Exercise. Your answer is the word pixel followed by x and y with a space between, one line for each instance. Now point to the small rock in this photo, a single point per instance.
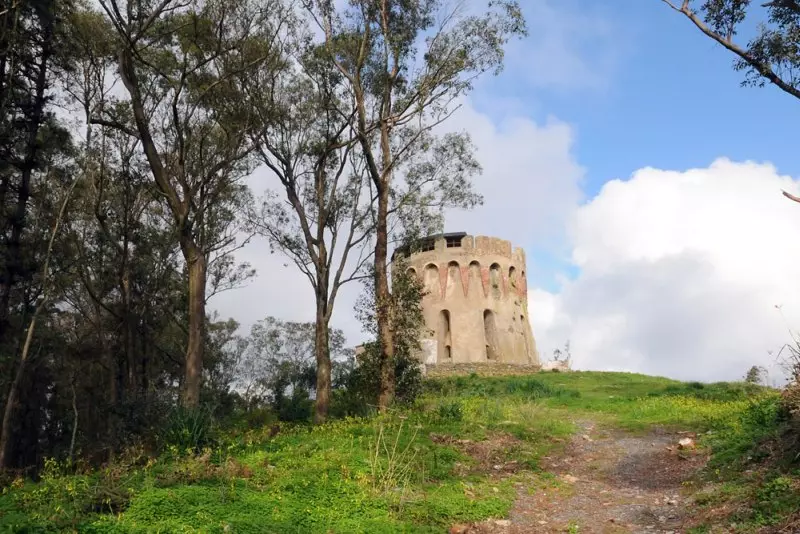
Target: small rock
pixel 497 467
pixel 459 529
pixel 686 443
pixel 662 519
pixel 571 479
pixel 502 522
pixel 542 522
pixel 672 502
pixel 586 438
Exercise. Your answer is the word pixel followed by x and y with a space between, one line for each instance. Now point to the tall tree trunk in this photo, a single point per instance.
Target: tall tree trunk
pixel 13 264
pixel 383 304
pixel 323 357
pixel 8 412
pixel 196 264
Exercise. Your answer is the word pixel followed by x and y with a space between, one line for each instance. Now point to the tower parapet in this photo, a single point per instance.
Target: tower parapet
pixel 476 301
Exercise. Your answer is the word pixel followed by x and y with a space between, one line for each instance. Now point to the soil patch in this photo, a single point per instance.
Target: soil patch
pixel 607 482
pixel 494 455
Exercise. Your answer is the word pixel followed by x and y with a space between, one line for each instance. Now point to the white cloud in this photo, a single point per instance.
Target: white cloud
pixel 530 181
pixel 680 273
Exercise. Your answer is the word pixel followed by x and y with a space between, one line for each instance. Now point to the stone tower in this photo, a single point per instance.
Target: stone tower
pixel 476 307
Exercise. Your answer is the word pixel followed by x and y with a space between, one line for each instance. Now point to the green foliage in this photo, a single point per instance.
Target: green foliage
pixel 451 411
pixel 776 499
pixel 361 386
pixel 755 375
pixel 294 408
pixel 188 430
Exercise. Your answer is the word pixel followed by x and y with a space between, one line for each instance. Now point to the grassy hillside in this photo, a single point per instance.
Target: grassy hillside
pixel 455 456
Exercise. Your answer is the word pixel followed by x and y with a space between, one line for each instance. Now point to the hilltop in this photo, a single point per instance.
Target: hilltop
pixel 548 452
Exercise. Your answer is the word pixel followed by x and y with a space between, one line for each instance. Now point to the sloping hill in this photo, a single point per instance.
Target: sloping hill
pixel 550 452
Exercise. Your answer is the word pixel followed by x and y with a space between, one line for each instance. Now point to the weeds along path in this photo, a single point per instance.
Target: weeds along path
pixel 607 481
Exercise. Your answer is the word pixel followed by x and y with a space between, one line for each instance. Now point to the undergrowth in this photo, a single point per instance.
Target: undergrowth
pixel 407 471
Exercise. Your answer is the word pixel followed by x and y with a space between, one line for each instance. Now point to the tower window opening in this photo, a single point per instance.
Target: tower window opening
pixel 427 245
pixel 490 335
pixel 445 352
pixel 495 279
pixel 453 241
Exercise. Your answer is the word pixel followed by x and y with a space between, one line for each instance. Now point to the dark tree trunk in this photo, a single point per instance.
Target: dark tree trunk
pixel 383 304
pixel 8 417
pixel 14 263
pixel 323 358
pixel 196 264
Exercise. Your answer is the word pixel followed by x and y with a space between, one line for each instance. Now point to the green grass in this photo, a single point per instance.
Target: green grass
pixel 392 473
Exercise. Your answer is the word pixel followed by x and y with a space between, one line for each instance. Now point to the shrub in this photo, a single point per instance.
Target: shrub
pixel 451 411
pixel 296 408
pixel 189 429
pixel 362 385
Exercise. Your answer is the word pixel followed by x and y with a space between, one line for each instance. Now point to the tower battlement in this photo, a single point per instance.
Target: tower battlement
pixel 476 301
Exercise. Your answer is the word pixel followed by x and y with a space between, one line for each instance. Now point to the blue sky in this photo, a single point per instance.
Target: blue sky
pixel 667 96
pixel 650 90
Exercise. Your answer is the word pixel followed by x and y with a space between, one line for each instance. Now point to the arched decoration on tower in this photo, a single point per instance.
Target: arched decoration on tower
pixel 445 354
pixel 496 281
pixel 431 280
pixel 513 281
pixel 475 288
pixel 490 335
pixel 454 283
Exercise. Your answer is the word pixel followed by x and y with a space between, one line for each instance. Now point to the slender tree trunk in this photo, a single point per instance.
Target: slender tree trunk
pixel 11 400
pixel 383 304
pixel 74 424
pixel 196 263
pixel 323 357
pixel 8 412
pixel 13 267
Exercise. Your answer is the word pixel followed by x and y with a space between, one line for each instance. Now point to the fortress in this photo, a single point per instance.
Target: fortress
pixel 476 306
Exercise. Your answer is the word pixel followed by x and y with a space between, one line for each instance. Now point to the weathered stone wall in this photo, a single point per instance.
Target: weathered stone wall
pixel 480 368
pixel 476 306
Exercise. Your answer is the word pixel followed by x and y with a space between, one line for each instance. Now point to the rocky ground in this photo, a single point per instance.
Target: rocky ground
pixel 607 481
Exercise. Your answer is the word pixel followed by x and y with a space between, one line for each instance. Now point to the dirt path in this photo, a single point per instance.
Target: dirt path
pixel 608 482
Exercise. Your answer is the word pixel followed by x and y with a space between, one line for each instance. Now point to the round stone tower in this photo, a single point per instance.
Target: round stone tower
pixel 476 306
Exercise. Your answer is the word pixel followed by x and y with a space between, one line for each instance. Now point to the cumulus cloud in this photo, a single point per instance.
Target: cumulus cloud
pixel 530 181
pixel 680 274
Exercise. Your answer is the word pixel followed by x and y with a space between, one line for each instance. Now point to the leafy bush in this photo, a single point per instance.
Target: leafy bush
pixel 776 499
pixel 362 385
pixel 451 411
pixel 295 408
pixel 189 429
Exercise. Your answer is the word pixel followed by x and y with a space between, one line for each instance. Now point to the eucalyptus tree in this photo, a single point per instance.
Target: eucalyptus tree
pixel 406 65
pixel 181 64
pixel 280 355
pixel 320 216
